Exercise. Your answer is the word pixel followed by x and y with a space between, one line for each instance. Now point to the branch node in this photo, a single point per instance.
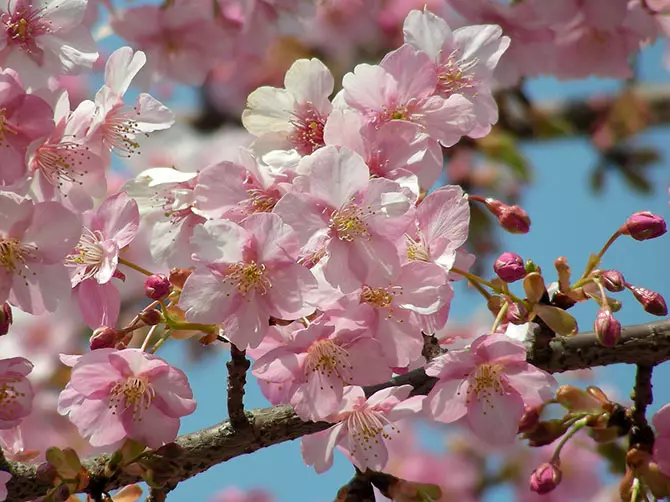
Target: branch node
pixel 237 379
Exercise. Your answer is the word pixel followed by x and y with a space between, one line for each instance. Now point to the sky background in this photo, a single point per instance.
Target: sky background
pixel 567 220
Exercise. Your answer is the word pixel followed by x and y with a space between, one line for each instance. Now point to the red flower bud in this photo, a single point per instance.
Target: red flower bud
pixel 545 478
pixel 652 302
pixel 512 218
pixel 607 328
pixel 103 338
pixel 157 287
pixel 613 281
pixel 517 314
pixel 510 267
pixel 643 226
pixel 6 318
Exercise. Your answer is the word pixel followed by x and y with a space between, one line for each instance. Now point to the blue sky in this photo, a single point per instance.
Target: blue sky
pixel 567 220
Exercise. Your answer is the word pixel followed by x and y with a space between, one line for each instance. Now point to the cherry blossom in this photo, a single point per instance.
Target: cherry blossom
pixel 16 393
pixel 107 230
pixel 488 384
pixel 34 240
pixel 661 421
pixel 248 273
pixel 317 362
pixel 236 495
pixel 4 478
pixel 114 395
pixel 363 426
pixel 297 113
pixel 465 60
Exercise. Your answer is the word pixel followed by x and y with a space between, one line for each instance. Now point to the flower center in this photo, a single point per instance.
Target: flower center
pixel 416 250
pixel 377 297
pixel 10 399
pixel 366 429
pixel 307 134
pixel 23 26
pixel 13 255
pixel 6 127
pixel 248 277
pixel 487 382
pixel 119 132
pixel 133 393
pixel 328 358
pixel 261 201
pixel 454 75
pixel 348 223
pixel 89 253
pixel 61 163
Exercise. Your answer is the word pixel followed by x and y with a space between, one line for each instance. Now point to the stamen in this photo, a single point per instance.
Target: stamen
pixel 307 135
pixel 247 277
pixel 134 393
pixel 348 223
pixel 455 75
pixel 9 397
pixel 89 253
pixel 328 358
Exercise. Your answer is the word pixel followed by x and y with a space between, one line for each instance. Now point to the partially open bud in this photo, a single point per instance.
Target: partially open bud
pixel 545 478
pixel 613 281
pixel 643 226
pixel 6 318
pixel 563 271
pixel 652 302
pixel 157 287
pixel 509 267
pixel 575 399
pixel 517 314
pixel 512 218
pixel 607 328
pixel 104 337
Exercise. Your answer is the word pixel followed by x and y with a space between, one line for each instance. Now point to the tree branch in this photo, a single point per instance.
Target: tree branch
pixel 645 344
pixel 237 379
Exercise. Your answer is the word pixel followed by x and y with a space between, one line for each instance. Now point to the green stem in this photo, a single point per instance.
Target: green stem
pixel 566 437
pixel 499 317
pixel 145 344
pixel 477 282
pixel 134 267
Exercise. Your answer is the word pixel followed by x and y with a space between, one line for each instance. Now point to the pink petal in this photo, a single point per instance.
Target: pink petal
pixel 118 218
pixel 494 418
pixel 317 449
pixel 153 428
pixel 54 231
pixel 206 299
pixel 318 397
pixel 280 365
pixel 99 304
pixel 446 402
pixel 293 291
pixel 424 288
pixel 499 348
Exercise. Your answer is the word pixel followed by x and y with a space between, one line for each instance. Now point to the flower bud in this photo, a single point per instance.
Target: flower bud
pixel 178 277
pixel 157 287
pixel 643 226
pixel 512 218
pixel 530 419
pixel 517 314
pixel 575 399
pixel 545 432
pixel 545 478
pixel 6 318
pixel 613 281
pixel 652 302
pixel 509 267
pixel 607 328
pixel 150 317
pixel 103 337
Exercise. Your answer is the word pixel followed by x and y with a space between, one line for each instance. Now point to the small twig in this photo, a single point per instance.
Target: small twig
pixel 237 378
pixel 358 489
pixel 641 434
pixel 158 494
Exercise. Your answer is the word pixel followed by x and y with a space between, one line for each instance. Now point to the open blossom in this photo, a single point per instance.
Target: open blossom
pixel 16 393
pixel 234 494
pixel 34 240
pixel 661 421
pixel 488 384
pixel 45 38
pixel 125 394
pixel 115 125
pixel 465 60
pixel 4 479
pixel 363 428
pixel 347 217
pixel 23 119
pixel 315 364
pixel 298 113
pixel 248 273
pixel 107 230
pixel 403 87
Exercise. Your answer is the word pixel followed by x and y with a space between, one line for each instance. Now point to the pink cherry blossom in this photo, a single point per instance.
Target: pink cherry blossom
pixel 45 38
pixel 661 421
pixel 298 113
pixel 316 363
pixel 181 40
pixel 4 479
pixel 34 240
pixel 125 394
pixel 107 230
pixel 11 442
pixel 363 428
pixel 403 87
pixel 115 125
pixel 16 393
pixel 488 384
pixel 236 495
pixel 248 274
pixel 464 60
pixel 23 119
pixel 345 216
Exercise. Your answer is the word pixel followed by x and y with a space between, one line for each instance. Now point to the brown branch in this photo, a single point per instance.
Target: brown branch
pixel 237 379
pixel 646 344
pixel 641 434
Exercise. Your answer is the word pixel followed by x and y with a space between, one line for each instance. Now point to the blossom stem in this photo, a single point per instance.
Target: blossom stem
pixel 476 281
pixel 499 317
pixel 579 424
pixel 145 344
pixel 160 341
pixel 134 267
pixel 594 260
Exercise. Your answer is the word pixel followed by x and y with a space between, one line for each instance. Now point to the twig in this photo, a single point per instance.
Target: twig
pixel 641 434
pixel 158 494
pixel 358 489
pixel 237 379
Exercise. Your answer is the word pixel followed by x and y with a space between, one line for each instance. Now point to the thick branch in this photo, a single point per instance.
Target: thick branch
pixel 647 344
pixel 237 379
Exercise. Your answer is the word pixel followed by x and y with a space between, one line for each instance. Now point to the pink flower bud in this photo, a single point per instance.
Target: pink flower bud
pixel 652 302
pixel 157 287
pixel 643 226
pixel 509 267
pixel 103 338
pixel 530 419
pixel 6 318
pixel 150 317
pixel 517 313
pixel 613 281
pixel 545 478
pixel 512 218
pixel 607 328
